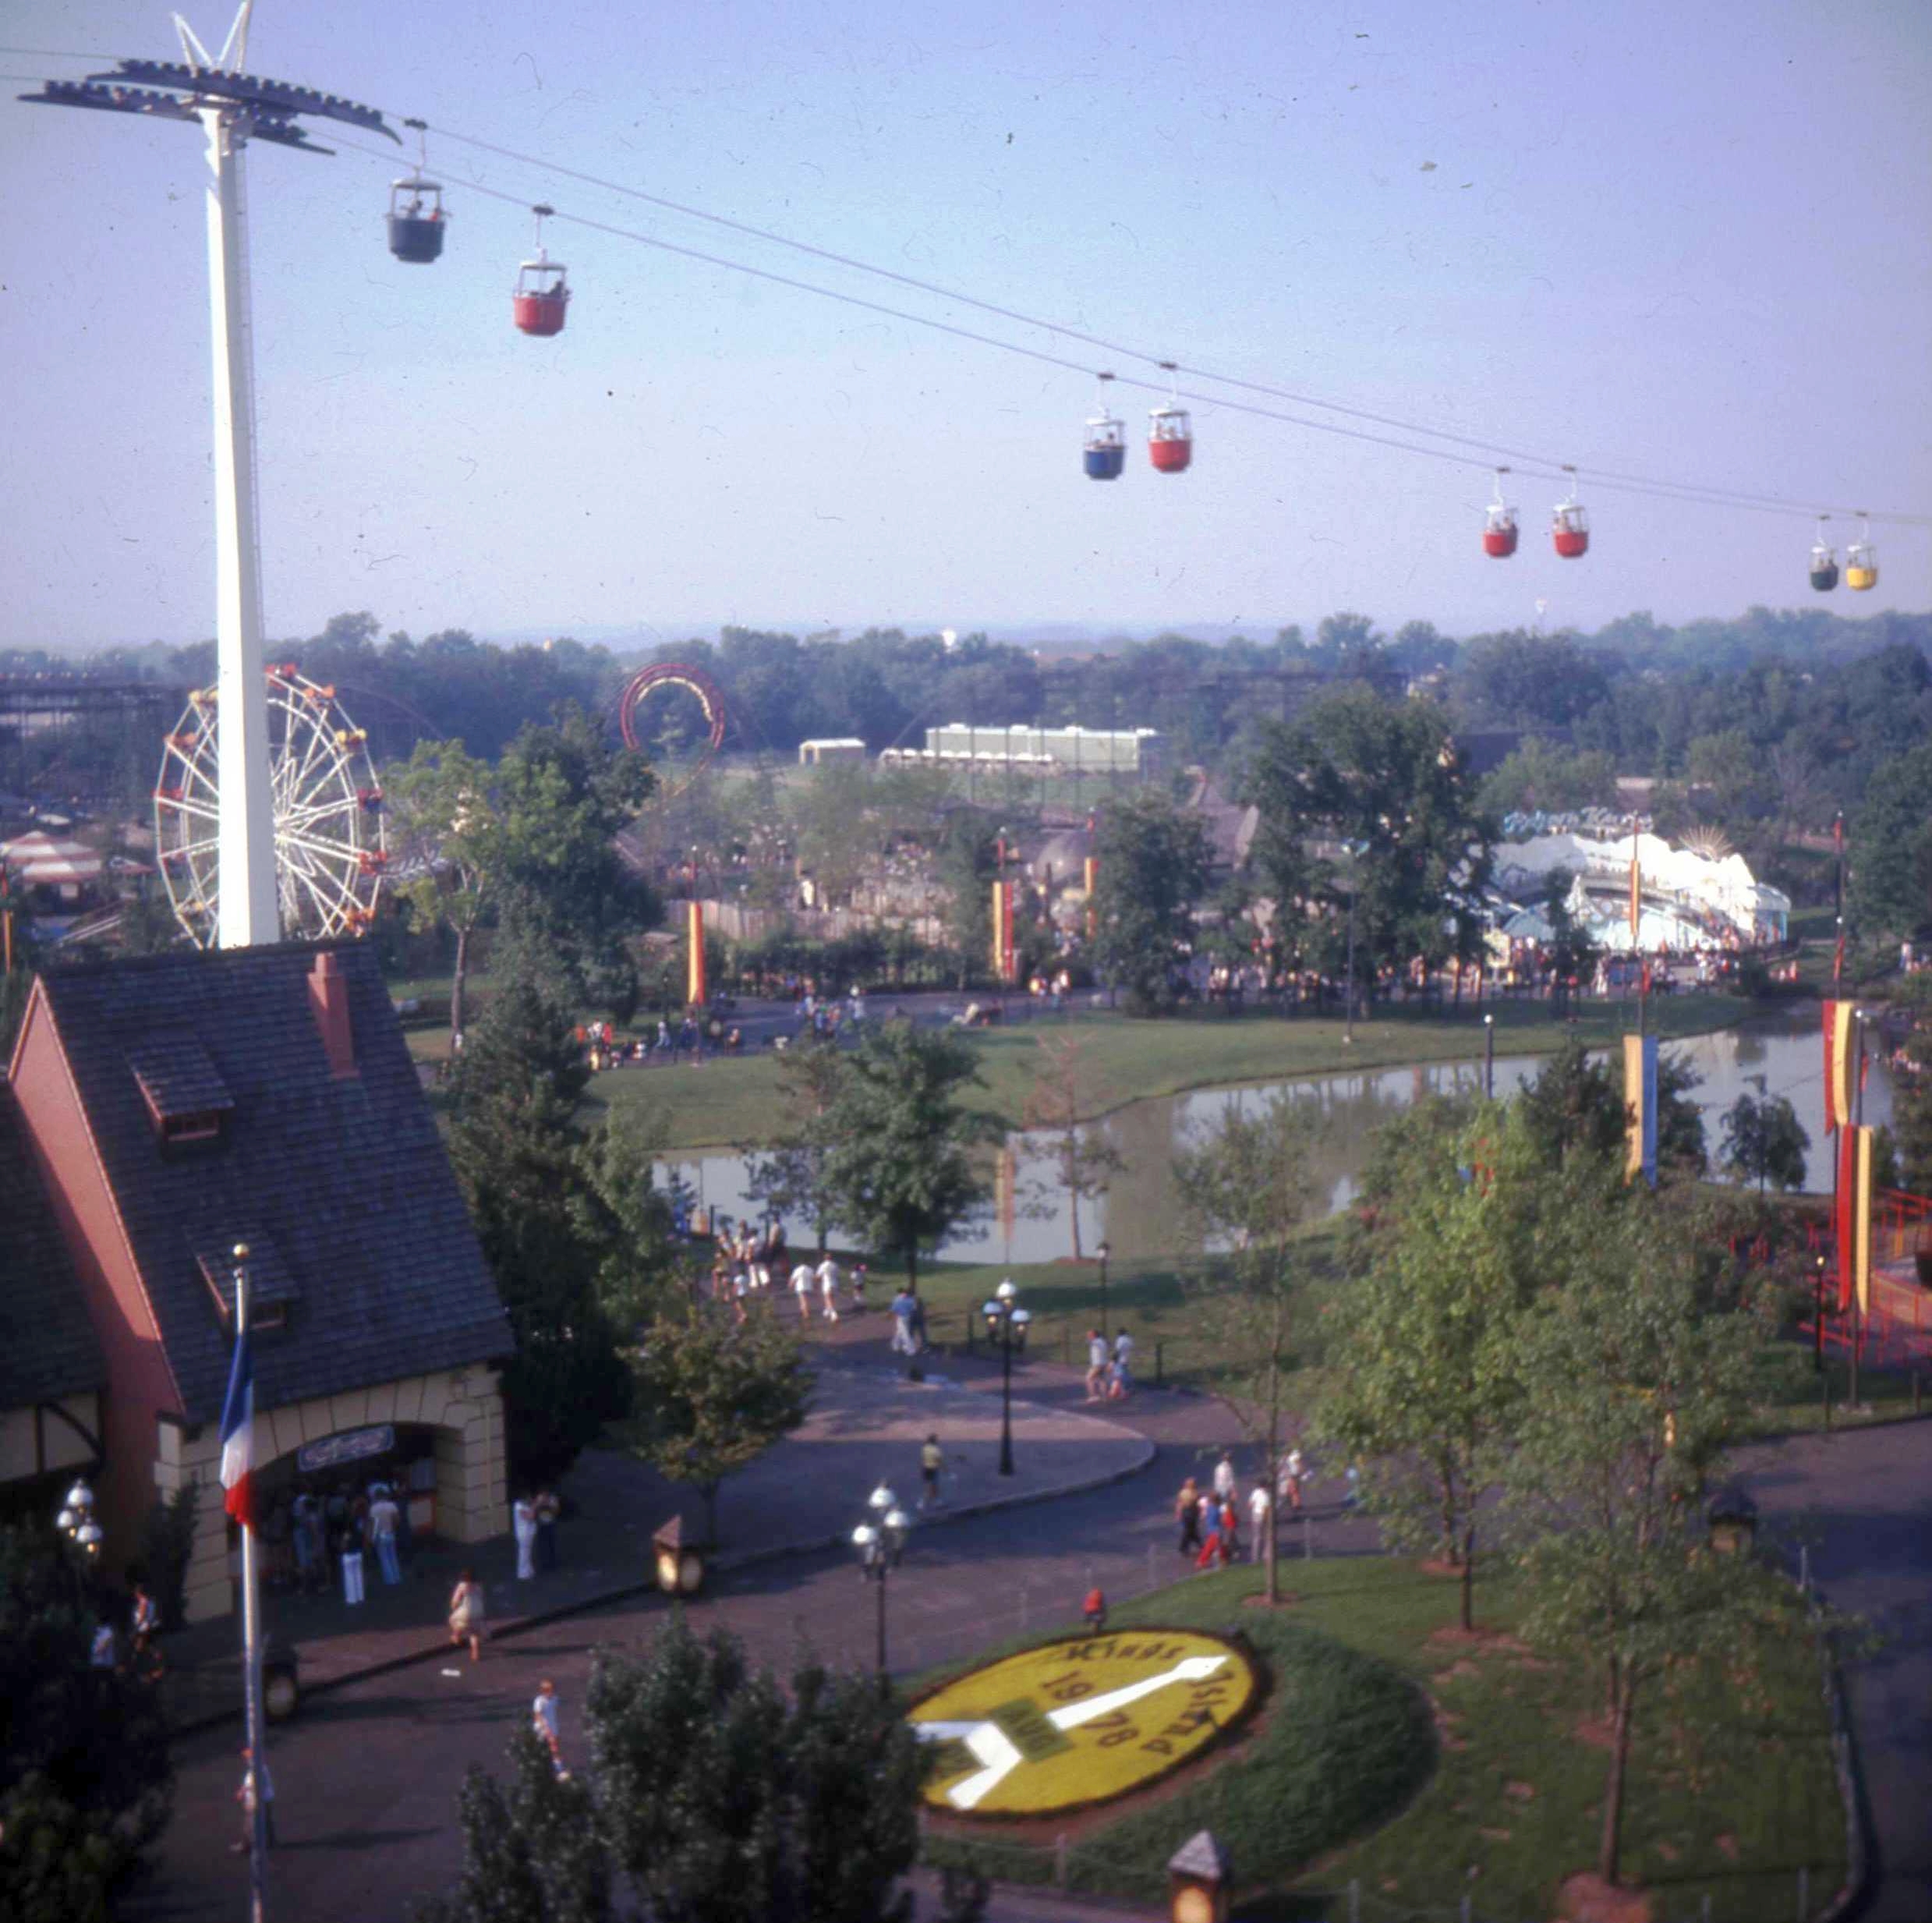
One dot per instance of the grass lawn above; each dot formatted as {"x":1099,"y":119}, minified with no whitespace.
{"x":1731,"y":1790}
{"x":730,"y":1103}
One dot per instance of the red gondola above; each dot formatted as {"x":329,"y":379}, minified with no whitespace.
{"x":1170,"y":441}
{"x":542,"y":296}
{"x":1570,"y":529}
{"x":1499,"y":525}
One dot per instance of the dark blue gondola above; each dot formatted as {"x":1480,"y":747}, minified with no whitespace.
{"x":1104,"y":453}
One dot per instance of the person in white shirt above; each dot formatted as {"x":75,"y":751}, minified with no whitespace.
{"x":1096,"y":1365}
{"x":543,"y":1721}
{"x":1122,"y":1383}
{"x":828,"y":1288}
{"x":1224,"y":1477}
{"x":802,"y":1287}
{"x":1293,"y":1472}
{"x":1257,"y":1515}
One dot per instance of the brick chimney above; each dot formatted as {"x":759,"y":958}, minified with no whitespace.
{"x":328,"y":1002}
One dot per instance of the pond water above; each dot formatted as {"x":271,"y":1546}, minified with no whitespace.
{"x":1029,"y":1221}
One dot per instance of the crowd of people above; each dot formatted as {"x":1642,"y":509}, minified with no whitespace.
{"x":1209,"y":1519}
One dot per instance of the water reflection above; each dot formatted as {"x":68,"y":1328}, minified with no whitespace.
{"x":1029,"y":1221}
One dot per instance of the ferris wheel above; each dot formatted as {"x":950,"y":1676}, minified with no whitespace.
{"x":330,"y":845}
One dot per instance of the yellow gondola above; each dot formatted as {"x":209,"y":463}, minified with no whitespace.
{"x":1861,"y":559}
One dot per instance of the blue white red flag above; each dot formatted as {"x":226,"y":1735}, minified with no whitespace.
{"x":238,"y":1437}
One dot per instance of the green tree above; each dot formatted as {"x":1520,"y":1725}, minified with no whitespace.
{"x":451,"y":847}
{"x":569,"y":903}
{"x":1428,"y":1377}
{"x":712,"y":1395}
{"x":1543,"y":774}
{"x":727,"y":1799}
{"x":518,"y":1155}
{"x":1634,"y":1387}
{"x":792,"y":1178}
{"x":1365,"y":809}
{"x":1765,"y":1143}
{"x":86,"y":1784}
{"x":1244,"y":1187}
{"x":1153,"y":866}
{"x":1575,"y":1107}
{"x":901,"y":1166}
{"x":1058,"y":1105}
{"x":1891,"y":891}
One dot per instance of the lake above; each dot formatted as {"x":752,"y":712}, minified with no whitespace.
{"x":1028,"y":1220}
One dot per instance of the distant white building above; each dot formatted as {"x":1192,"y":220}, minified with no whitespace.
{"x":1136,"y":753}
{"x":813,"y":754}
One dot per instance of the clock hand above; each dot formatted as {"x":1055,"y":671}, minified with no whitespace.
{"x":1192,"y":1670}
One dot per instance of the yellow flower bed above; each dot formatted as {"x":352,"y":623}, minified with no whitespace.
{"x":1081,"y":1720}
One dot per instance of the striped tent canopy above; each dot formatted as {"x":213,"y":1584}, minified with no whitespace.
{"x":42,"y":860}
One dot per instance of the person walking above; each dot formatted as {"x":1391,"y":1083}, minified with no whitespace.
{"x":829,"y":1287}
{"x":1294,"y":1473}
{"x":549,"y":1508}
{"x":144,"y":1652}
{"x":801,"y":1281}
{"x":903,"y":1306}
{"x":1122,"y":1386}
{"x":545,"y":1722}
{"x":383,"y":1516}
{"x":1094,"y":1610}
{"x":256,"y":1781}
{"x":349,"y":1553}
{"x":932,"y":1462}
{"x":523,"y":1525}
{"x":466,"y":1615}
{"x":1096,"y":1365}
{"x":1187,"y":1514}
{"x":306,"y":1533}
{"x":1224,"y":1477}
{"x":1257,"y":1505}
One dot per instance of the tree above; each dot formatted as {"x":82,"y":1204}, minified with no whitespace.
{"x":1764,"y":1141}
{"x":1364,"y":808}
{"x":1063,"y":1096}
{"x":726,"y":1800}
{"x":1153,"y":865}
{"x":1634,"y":1389}
{"x":1430,"y":1382}
{"x":547,"y":1234}
{"x":86,"y":1784}
{"x":712,"y":1395}
{"x":451,"y":848}
{"x":1575,"y":1107}
{"x":899,"y":1167}
{"x":1680,"y":1136}
{"x":1244,"y":1187}
{"x":568,"y":903}
{"x":1544,"y":775}
{"x":792,"y":1177}
{"x":1891,"y":892}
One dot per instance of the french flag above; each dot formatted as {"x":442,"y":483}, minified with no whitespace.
{"x":238,"y":1437}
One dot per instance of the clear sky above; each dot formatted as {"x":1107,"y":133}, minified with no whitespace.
{"x":1662,"y":236}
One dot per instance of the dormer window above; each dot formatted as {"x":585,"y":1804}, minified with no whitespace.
{"x":186,"y":1099}
{"x":272,"y":1292}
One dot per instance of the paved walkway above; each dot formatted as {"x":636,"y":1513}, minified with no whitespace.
{"x":866,"y":1426}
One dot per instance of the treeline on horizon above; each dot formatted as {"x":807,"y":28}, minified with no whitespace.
{"x":1840,"y":695}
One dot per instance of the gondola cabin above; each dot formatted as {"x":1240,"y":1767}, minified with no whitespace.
{"x":1104,"y":454}
{"x":1825,"y":568}
{"x":415,"y":220}
{"x":1170,"y":443}
{"x":1569,"y":532}
{"x":542,"y":298}
{"x":1499,"y":532}
{"x":1861,"y":566}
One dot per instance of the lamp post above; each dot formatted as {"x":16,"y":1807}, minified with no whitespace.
{"x":1817,"y":1316}
{"x":1006,"y":1330}
{"x":1489,"y":1057}
{"x":1348,"y":1023}
{"x":880,"y":1541}
{"x":77,"y":1525}
{"x":1103,"y":1251}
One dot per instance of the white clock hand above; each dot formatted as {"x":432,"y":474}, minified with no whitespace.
{"x":1193,"y":1670}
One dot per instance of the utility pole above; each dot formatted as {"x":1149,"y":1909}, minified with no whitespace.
{"x":231,"y":108}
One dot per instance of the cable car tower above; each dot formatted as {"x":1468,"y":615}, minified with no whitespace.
{"x":232,"y":108}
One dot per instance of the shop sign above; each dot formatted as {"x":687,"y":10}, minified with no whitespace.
{"x":353,"y":1445}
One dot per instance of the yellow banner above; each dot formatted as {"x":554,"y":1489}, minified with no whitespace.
{"x":694,"y":958}
{"x":1634,"y":1106}
{"x":1844,"y":1069}
{"x":1862,"y":1219}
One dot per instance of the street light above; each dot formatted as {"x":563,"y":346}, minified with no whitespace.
{"x":1489,"y":1058}
{"x":76,"y":1523}
{"x":1006,"y":1330}
{"x":879,"y":1542}
{"x":1103,"y":1251}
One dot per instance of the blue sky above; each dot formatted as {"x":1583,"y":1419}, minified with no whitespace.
{"x":1684,"y":239}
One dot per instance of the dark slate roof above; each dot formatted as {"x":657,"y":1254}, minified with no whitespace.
{"x":177,"y":1076}
{"x":47,"y":1345}
{"x":346,"y":1180}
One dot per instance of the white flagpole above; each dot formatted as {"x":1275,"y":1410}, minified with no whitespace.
{"x":251,"y":1646}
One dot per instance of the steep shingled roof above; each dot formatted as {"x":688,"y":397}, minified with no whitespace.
{"x":348,"y":1175}
{"x":48,"y":1345}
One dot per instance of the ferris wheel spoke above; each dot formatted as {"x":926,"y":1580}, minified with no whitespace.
{"x":312,"y":844}
{"x":188,"y":850}
{"x":200,"y":811}
{"x":307,"y":814}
